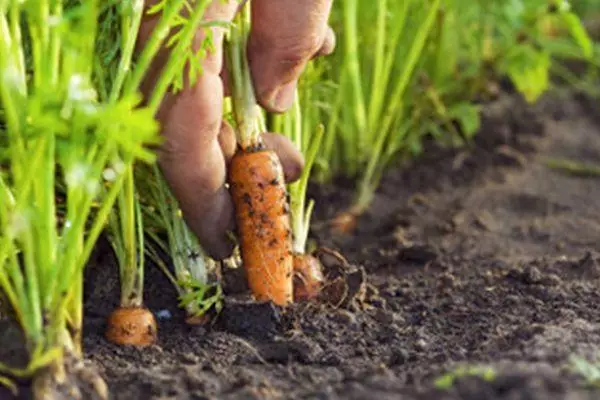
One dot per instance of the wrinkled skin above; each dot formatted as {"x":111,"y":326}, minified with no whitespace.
{"x":285,"y":35}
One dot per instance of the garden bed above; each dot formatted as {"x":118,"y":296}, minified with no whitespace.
{"x":480,"y":257}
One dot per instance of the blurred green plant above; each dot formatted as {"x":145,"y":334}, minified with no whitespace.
{"x":60,"y":131}
{"x":448,"y":380}
{"x":370,"y":114}
{"x":589,"y":370}
{"x":399,"y":79}
{"x":56,"y":129}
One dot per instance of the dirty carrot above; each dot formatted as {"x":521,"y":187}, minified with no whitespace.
{"x":131,"y":326}
{"x":257,"y":184}
{"x":262,"y":214}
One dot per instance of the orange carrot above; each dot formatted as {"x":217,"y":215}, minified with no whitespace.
{"x":131,"y":326}
{"x":308,"y":277}
{"x":264,"y":227}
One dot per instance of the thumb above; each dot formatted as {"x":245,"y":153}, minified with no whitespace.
{"x":285,"y":35}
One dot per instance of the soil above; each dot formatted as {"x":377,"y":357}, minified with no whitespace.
{"x":475,"y":257}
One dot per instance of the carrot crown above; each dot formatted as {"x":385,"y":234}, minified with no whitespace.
{"x":246,"y":111}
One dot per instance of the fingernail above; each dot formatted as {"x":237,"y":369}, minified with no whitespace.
{"x":284,"y":97}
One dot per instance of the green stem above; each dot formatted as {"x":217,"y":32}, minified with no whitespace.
{"x":130,"y":29}
{"x":378,"y":69}
{"x":332,"y":126}
{"x":55,"y":46}
{"x":15,"y":31}
{"x":393,"y":111}
{"x":300,"y":213}
{"x":380,"y":91}
{"x":77,"y":215}
{"x":92,"y":237}
{"x":246,"y":111}
{"x":353,"y":65}
{"x":139,"y":289}
{"x":45,"y":196}
{"x":129,"y":265}
{"x":12,"y":86}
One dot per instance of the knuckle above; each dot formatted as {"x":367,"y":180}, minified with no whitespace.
{"x":200,"y":162}
{"x":296,"y":51}
{"x":291,"y":55}
{"x":172,"y":150}
{"x":183,"y":147}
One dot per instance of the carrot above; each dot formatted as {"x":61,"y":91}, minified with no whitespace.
{"x":259,"y":195}
{"x":344,"y":223}
{"x":131,"y":326}
{"x":308,"y":277}
{"x":257,"y":183}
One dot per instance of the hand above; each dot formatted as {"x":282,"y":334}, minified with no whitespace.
{"x":285,"y":35}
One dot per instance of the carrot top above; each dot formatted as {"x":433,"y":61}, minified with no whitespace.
{"x":248,"y":116}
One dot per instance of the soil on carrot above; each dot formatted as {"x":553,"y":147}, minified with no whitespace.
{"x":474,"y":257}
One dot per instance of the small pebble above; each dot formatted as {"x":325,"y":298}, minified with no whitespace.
{"x":421,"y":345}
{"x":552,"y":280}
{"x":532,"y":275}
{"x":330,"y":358}
{"x":383,"y":316}
{"x":398,"y":357}
{"x":448,"y":280}
{"x":164,"y":314}
{"x":189,"y":358}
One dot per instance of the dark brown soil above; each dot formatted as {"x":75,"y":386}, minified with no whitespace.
{"x":482,"y":257}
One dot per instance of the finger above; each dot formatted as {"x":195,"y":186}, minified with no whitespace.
{"x":193,"y":164}
{"x":227,"y":141}
{"x":329,"y":43}
{"x":291,"y":158}
{"x":191,"y":158}
{"x":225,"y":78}
{"x":285,"y":35}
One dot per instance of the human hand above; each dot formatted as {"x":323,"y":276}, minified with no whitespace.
{"x":198,"y":145}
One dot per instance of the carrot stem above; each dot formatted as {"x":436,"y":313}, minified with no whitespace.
{"x":246,"y":112}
